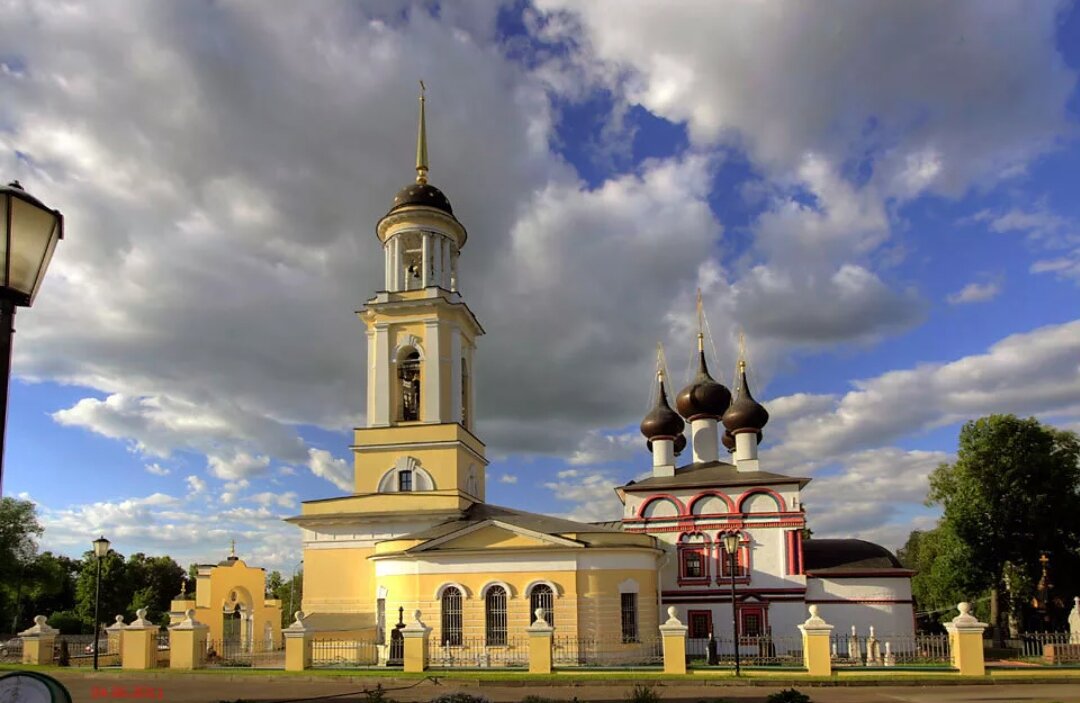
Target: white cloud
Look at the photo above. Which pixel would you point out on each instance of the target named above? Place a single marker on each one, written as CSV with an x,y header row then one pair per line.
x,y
325,465
975,293
157,469
239,465
602,448
1066,267
1038,224
508,478
591,493
268,499
195,485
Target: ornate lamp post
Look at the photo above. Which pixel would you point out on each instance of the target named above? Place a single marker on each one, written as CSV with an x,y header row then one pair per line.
x,y
731,545
101,548
28,234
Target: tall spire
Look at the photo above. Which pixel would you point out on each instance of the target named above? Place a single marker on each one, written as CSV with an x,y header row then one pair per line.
x,y
700,326
421,142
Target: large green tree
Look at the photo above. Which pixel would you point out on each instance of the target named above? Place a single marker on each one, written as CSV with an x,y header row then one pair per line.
x,y
941,578
19,530
1012,494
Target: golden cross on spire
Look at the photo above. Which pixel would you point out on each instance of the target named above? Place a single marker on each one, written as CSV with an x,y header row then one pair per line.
x,y
700,323
421,142
742,351
233,547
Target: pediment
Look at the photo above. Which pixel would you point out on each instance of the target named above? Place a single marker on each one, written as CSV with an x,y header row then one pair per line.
x,y
495,534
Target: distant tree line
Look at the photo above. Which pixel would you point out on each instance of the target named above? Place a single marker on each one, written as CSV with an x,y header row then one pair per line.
x,y
1011,497
61,588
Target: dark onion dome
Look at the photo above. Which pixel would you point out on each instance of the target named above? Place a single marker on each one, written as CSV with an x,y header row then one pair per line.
x,y
662,422
422,194
680,444
846,554
704,397
745,413
729,441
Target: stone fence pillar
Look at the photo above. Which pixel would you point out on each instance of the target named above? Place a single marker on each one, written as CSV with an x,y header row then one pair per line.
x,y
187,643
38,642
540,636
673,635
115,634
815,643
966,642
297,644
138,645
415,636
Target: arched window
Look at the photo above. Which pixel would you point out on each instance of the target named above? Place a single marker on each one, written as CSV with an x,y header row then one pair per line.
x,y
465,395
451,616
409,377
542,597
495,617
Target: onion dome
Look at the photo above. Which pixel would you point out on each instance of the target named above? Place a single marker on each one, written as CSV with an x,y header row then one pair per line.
x,y
704,397
745,413
423,194
662,422
728,440
680,443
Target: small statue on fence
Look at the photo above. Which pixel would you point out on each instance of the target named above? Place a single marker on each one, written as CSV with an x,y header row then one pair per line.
x,y
873,649
711,649
853,651
890,658
1074,622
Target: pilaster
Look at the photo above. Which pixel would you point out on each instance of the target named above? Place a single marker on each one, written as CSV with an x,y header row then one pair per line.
x,y
38,642
415,636
673,634
540,637
139,643
298,638
815,638
432,395
187,643
966,642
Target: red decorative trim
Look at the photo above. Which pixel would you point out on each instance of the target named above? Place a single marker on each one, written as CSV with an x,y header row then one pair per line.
x,y
681,526
860,601
763,490
789,552
680,508
720,591
744,609
705,494
860,573
716,600
702,549
799,541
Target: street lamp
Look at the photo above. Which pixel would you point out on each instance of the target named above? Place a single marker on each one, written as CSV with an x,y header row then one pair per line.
x,y
101,548
28,234
731,545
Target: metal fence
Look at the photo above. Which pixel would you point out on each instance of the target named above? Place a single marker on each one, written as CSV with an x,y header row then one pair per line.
x,y
890,650
344,653
764,650
233,653
1051,648
473,652
607,652
11,649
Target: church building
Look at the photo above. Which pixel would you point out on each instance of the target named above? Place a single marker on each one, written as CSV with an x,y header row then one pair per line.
x,y
417,532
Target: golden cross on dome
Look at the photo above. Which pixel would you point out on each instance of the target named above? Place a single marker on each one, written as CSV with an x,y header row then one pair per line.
x,y
742,351
233,547
421,142
700,323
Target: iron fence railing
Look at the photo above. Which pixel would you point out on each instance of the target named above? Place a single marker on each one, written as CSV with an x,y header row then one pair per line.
x,y
607,652
764,650
344,653
890,650
473,652
234,653
1047,647
11,649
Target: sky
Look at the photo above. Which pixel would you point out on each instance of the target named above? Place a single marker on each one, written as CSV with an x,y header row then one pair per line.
x,y
880,196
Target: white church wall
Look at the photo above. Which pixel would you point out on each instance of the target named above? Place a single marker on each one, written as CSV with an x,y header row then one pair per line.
x,y
884,602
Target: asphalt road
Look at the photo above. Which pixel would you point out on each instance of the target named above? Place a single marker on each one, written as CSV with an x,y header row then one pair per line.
x,y
212,689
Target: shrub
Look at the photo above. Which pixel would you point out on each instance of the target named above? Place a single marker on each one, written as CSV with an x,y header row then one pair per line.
x,y
377,695
788,695
643,694
460,697
540,699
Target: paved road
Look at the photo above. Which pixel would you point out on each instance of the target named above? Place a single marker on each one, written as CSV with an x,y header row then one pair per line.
x,y
213,689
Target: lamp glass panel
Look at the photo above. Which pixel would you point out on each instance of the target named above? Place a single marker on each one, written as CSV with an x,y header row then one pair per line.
x,y
101,547
731,543
33,233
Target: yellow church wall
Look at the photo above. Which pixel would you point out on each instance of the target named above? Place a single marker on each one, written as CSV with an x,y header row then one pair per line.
x,y
415,433
339,581
493,538
600,602
375,503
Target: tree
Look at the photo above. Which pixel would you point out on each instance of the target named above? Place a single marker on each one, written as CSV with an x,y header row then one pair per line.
x,y
1012,494
941,579
115,589
19,528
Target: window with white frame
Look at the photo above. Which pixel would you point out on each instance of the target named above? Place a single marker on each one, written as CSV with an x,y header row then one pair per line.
x,y
451,616
495,617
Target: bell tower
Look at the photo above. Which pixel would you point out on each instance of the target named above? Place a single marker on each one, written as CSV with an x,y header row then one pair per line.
x,y
421,337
